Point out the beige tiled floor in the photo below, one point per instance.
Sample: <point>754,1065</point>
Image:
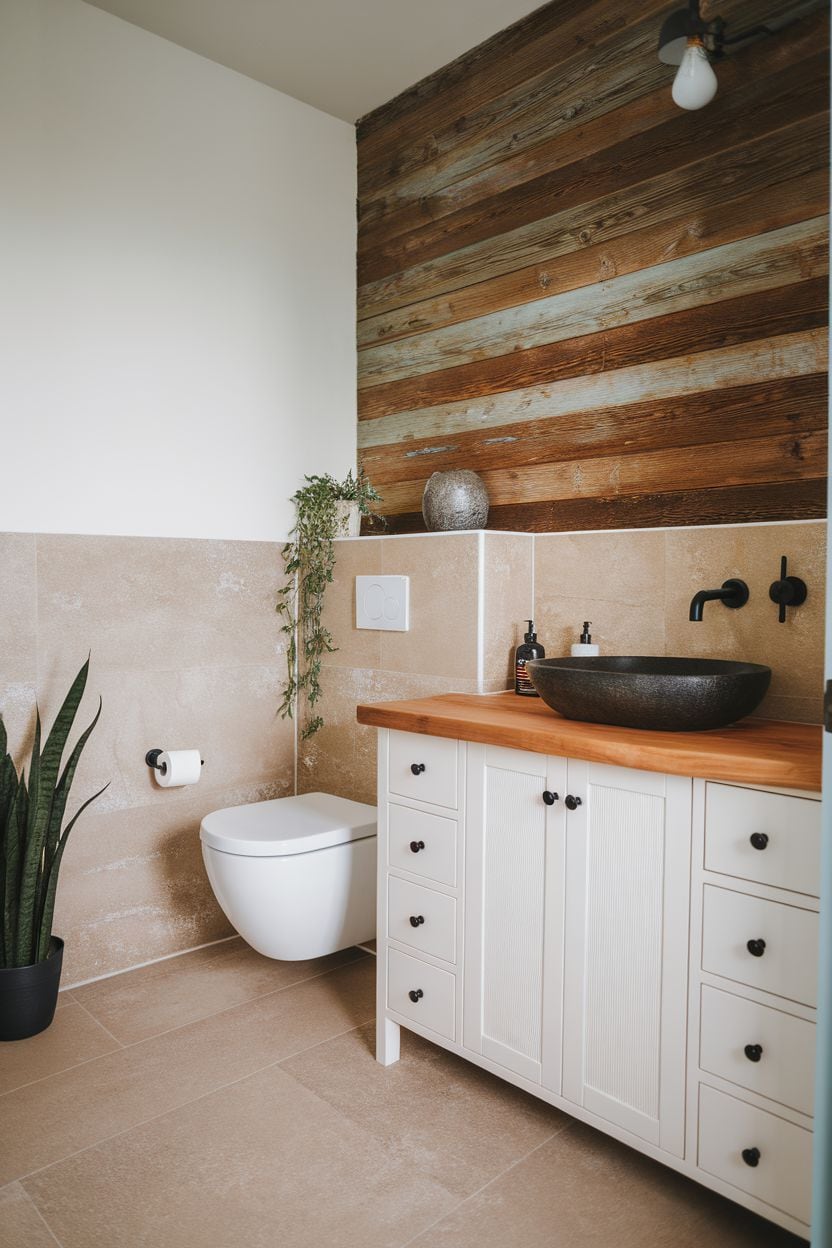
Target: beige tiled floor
<point>220,1099</point>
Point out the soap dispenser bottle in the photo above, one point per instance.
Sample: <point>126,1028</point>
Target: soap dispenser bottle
<point>585,647</point>
<point>530,649</point>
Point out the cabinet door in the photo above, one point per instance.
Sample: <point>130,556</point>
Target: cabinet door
<point>626,935</point>
<point>513,922</point>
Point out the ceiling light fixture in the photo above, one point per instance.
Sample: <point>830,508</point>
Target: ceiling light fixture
<point>690,41</point>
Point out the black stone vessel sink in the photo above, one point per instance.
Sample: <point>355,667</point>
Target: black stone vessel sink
<point>671,695</point>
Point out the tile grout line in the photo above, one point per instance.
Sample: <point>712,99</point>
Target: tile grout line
<point>222,1087</point>
<point>41,1215</point>
<point>125,1048</point>
<point>464,1201</point>
<point>98,1023</point>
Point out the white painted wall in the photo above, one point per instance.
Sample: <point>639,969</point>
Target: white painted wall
<point>177,285</point>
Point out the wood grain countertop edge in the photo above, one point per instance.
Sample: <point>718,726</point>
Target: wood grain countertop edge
<point>753,751</point>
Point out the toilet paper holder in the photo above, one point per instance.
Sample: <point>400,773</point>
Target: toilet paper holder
<point>152,760</point>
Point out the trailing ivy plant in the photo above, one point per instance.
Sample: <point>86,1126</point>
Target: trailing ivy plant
<point>32,835</point>
<point>309,558</point>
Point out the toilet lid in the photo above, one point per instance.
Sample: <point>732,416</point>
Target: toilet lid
<point>288,825</point>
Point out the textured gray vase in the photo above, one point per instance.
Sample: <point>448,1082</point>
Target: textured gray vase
<point>455,500</point>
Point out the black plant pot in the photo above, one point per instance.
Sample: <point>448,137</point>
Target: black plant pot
<point>29,994</point>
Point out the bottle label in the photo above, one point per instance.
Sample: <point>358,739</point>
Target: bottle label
<point>522,683</point>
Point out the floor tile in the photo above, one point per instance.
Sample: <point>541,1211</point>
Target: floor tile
<point>584,1190</point>
<point>48,1120</point>
<point>262,1163</point>
<point>460,1124</point>
<point>73,1037</point>
<point>21,1226</point>
<point>153,999</point>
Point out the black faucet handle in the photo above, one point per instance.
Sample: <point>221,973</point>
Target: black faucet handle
<point>789,591</point>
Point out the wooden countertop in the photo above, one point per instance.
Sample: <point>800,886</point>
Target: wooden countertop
<point>753,751</point>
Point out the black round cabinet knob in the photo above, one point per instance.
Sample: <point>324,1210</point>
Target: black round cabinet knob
<point>549,798</point>
<point>756,948</point>
<point>416,994</point>
<point>416,920</point>
<point>753,1052</point>
<point>572,803</point>
<point>415,846</point>
<point>417,768</point>
<point>759,840</point>
<point>751,1156</point>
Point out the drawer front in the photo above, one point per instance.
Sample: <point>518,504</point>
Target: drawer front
<point>780,1059</point>
<point>785,850</point>
<point>788,965</point>
<point>436,761</point>
<point>421,843</point>
<point>422,918</point>
<point>434,989</point>
<point>782,1176</point>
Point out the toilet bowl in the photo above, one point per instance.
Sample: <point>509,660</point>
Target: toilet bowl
<point>295,876</point>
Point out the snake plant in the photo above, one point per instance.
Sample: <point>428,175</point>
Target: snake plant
<point>32,838</point>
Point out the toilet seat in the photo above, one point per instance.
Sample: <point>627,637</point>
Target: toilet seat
<point>288,825</point>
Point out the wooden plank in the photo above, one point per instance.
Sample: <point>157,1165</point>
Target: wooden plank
<point>493,82</point>
<point>773,102</point>
<point>403,207</point>
<point>796,198</point>
<point>753,751</point>
<point>754,460</point>
<point>744,504</point>
<point>766,408</point>
<point>782,310</point>
<point>743,171</point>
<point>787,355</point>
<point>601,74</point>
<point>777,258</point>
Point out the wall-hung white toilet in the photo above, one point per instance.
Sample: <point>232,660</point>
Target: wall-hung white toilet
<point>295,876</point>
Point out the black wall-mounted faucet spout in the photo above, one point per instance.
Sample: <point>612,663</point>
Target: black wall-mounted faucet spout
<point>734,593</point>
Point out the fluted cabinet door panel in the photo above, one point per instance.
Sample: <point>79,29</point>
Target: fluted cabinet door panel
<point>506,868</point>
<point>625,850</point>
<point>627,890</point>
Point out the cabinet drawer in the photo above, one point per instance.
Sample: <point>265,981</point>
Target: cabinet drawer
<point>782,1176</point>
<point>435,1007</point>
<point>783,1071</point>
<point>436,761</point>
<point>421,843</point>
<point>422,918</point>
<point>788,965</point>
<point>785,831</point>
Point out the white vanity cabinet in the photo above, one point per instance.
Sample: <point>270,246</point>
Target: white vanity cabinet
<point>637,949</point>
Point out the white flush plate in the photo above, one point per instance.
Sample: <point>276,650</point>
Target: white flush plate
<point>383,602</point>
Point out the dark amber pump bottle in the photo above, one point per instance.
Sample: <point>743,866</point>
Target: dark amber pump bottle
<point>529,650</point>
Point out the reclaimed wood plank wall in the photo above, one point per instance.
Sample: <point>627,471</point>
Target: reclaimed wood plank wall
<point>613,310</point>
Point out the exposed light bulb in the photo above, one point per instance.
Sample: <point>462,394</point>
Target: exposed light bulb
<point>695,83</point>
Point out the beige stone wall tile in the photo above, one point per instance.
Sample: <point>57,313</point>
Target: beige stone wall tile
<point>18,608</point>
<point>508,587</point>
<point>230,714</point>
<point>357,647</point>
<point>341,757</point>
<point>615,580</point>
<point>443,605</point>
<point>704,558</point>
<point>158,603</point>
<point>17,709</point>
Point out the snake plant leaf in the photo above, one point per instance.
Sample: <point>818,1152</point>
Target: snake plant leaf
<point>14,842</point>
<point>45,929</point>
<point>8,791</point>
<point>29,865</point>
<point>42,782</point>
<point>57,812</point>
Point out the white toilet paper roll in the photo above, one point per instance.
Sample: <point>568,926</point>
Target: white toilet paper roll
<point>178,767</point>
